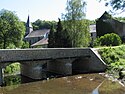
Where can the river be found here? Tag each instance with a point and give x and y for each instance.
(77, 84)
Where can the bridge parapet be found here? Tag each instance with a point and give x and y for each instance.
(41, 54)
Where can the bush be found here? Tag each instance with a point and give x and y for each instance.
(111, 39)
(97, 42)
(12, 68)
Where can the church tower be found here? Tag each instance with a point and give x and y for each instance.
(29, 27)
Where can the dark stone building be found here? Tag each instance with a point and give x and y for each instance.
(106, 24)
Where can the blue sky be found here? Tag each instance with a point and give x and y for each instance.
(48, 9)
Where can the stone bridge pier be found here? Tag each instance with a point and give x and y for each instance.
(33, 69)
(37, 69)
(1, 76)
(60, 66)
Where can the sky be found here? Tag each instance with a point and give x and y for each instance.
(48, 9)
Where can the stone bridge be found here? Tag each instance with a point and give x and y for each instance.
(57, 60)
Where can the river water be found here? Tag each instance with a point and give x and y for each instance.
(76, 84)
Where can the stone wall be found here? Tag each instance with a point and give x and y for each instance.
(9, 55)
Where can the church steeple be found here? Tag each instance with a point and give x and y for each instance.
(29, 27)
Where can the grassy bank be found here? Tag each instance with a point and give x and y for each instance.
(114, 57)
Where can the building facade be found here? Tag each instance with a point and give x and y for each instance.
(107, 24)
(37, 37)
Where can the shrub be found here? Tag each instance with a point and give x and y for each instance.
(111, 39)
(12, 68)
(97, 42)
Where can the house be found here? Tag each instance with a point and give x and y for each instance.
(106, 24)
(37, 37)
(92, 31)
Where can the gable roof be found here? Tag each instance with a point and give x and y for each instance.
(41, 42)
(37, 33)
(105, 15)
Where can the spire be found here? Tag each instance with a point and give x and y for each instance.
(29, 27)
(28, 24)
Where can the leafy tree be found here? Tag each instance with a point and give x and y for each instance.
(78, 29)
(116, 4)
(11, 29)
(39, 24)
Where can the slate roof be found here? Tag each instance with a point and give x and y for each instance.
(41, 42)
(37, 33)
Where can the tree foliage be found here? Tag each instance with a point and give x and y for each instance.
(59, 35)
(121, 19)
(39, 24)
(58, 38)
(75, 10)
(74, 23)
(109, 40)
(11, 29)
(116, 4)
(51, 38)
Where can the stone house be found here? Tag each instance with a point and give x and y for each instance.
(106, 24)
(37, 37)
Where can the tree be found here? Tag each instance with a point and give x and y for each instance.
(58, 38)
(59, 35)
(39, 24)
(11, 29)
(77, 27)
(51, 38)
(116, 4)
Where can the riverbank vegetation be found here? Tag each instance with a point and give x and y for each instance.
(114, 57)
(111, 39)
(13, 68)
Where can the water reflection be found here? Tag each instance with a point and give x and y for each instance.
(96, 90)
(19, 79)
(77, 84)
(12, 80)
